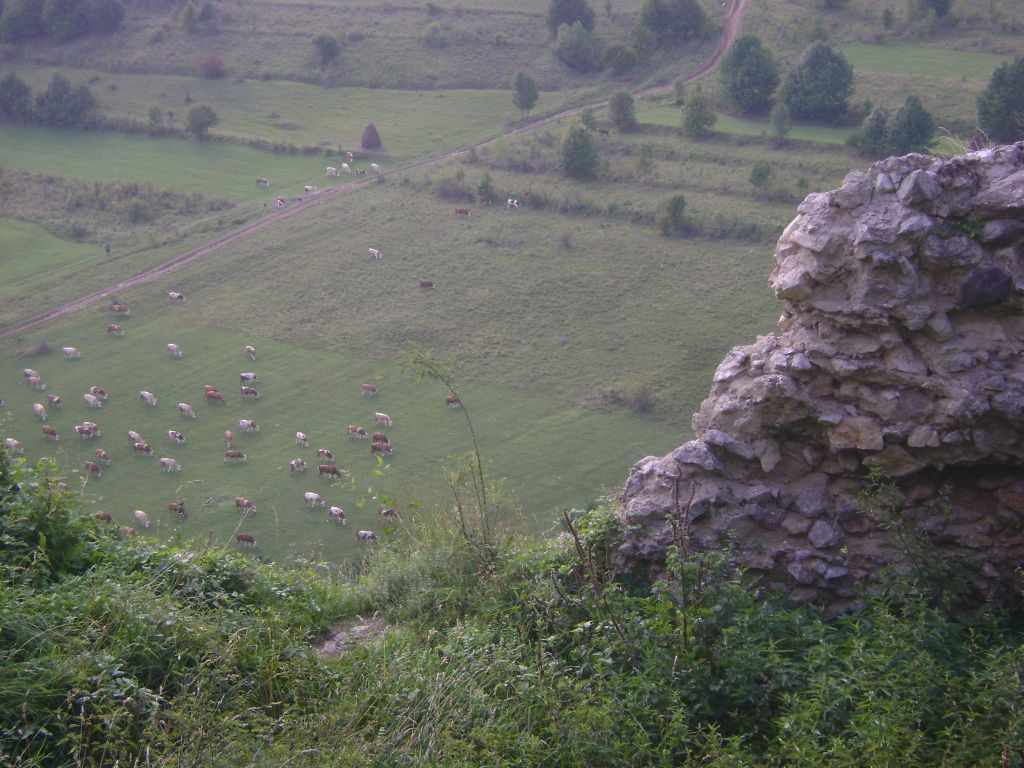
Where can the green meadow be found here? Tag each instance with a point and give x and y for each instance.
(668, 115)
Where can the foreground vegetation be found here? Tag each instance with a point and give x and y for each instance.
(489, 651)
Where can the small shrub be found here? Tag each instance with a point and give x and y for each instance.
(371, 138)
(434, 36)
(211, 66)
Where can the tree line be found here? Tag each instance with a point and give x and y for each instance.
(60, 105)
(57, 19)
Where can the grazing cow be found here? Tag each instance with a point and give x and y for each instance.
(174, 350)
(331, 170)
(452, 401)
(142, 517)
(356, 432)
(186, 410)
(250, 392)
(279, 202)
(120, 309)
(370, 390)
(325, 453)
(39, 411)
(375, 168)
(229, 438)
(380, 437)
(234, 455)
(106, 517)
(346, 168)
(99, 392)
(115, 330)
(350, 157)
(262, 182)
(248, 425)
(128, 531)
(246, 538)
(14, 446)
(301, 438)
(384, 449)
(178, 507)
(462, 211)
(247, 377)
(71, 353)
(511, 203)
(297, 465)
(209, 388)
(382, 418)
(92, 426)
(91, 401)
(51, 434)
(175, 436)
(147, 397)
(36, 383)
(175, 296)
(169, 465)
(92, 468)
(134, 438)
(143, 448)
(251, 352)
(338, 514)
(245, 504)
(102, 456)
(309, 190)
(328, 469)
(214, 396)
(366, 535)
(602, 131)
(314, 500)
(426, 283)
(376, 254)
(53, 400)
(360, 171)
(30, 373)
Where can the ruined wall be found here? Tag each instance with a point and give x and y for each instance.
(899, 348)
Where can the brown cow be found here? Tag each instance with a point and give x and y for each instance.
(452, 401)
(246, 538)
(250, 392)
(462, 211)
(119, 309)
(104, 516)
(381, 448)
(426, 283)
(234, 456)
(380, 437)
(51, 434)
(388, 512)
(602, 131)
(53, 400)
(370, 389)
(214, 396)
(328, 469)
(115, 330)
(102, 456)
(245, 504)
(92, 468)
(178, 507)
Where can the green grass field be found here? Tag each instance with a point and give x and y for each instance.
(729, 124)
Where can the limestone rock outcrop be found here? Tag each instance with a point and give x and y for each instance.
(900, 350)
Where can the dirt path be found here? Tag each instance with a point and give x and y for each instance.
(733, 24)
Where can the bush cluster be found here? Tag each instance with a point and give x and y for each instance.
(59, 19)
(61, 105)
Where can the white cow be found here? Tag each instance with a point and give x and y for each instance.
(382, 418)
(331, 170)
(175, 296)
(169, 465)
(248, 425)
(91, 401)
(375, 168)
(141, 517)
(175, 350)
(186, 410)
(350, 157)
(338, 514)
(13, 446)
(147, 397)
(247, 377)
(314, 500)
(310, 190)
(39, 410)
(175, 436)
(376, 254)
(31, 373)
(251, 352)
(71, 353)
(302, 439)
(366, 535)
(512, 203)
(346, 168)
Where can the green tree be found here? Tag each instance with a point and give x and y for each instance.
(371, 138)
(65, 19)
(156, 117)
(190, 18)
(619, 57)
(621, 111)
(569, 12)
(888, 19)
(1001, 104)
(577, 48)
(524, 93)
(62, 106)
(645, 160)
(588, 119)
(673, 21)
(327, 49)
(873, 135)
(21, 20)
(781, 121)
(761, 176)
(15, 99)
(670, 218)
(749, 75)
(105, 15)
(578, 157)
(911, 129)
(820, 86)
(200, 120)
(485, 187)
(698, 116)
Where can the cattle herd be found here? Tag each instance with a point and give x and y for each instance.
(96, 397)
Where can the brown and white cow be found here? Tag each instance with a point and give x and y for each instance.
(53, 400)
(102, 456)
(99, 392)
(92, 468)
(370, 390)
(244, 504)
(14, 446)
(325, 453)
(36, 383)
(251, 352)
(452, 401)
(174, 350)
(134, 438)
(147, 397)
(50, 433)
(301, 438)
(462, 211)
(115, 330)
(175, 436)
(143, 448)
(338, 514)
(39, 410)
(229, 438)
(214, 396)
(384, 449)
(376, 254)
(175, 296)
(314, 499)
(382, 418)
(366, 535)
(356, 432)
(234, 455)
(169, 465)
(120, 309)
(389, 512)
(297, 465)
(106, 517)
(250, 392)
(328, 469)
(178, 507)
(248, 425)
(186, 410)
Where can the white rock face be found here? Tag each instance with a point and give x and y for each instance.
(901, 350)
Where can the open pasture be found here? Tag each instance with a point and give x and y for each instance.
(30, 252)
(552, 456)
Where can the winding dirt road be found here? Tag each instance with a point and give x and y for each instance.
(733, 24)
